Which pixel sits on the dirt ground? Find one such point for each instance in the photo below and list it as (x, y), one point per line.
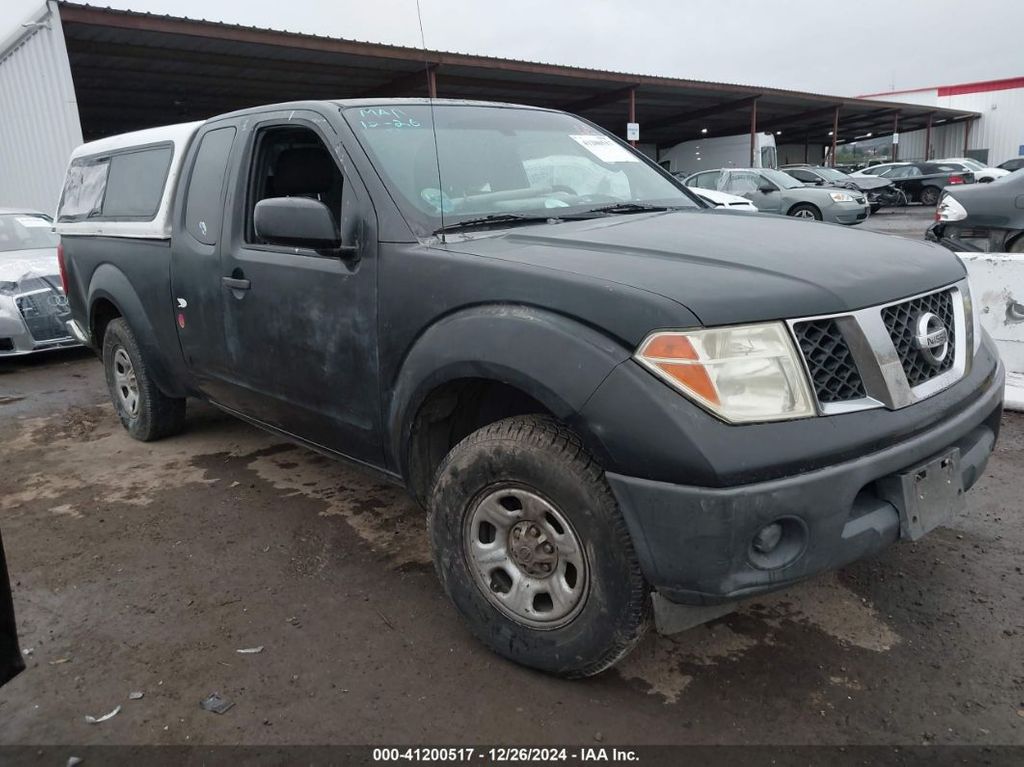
(146, 567)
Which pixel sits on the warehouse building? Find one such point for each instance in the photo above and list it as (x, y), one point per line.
(73, 73)
(997, 136)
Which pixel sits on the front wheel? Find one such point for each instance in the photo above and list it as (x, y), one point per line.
(806, 211)
(531, 548)
(146, 412)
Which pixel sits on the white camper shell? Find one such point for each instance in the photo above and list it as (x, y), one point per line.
(123, 186)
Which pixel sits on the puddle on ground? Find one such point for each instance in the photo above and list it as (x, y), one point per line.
(668, 664)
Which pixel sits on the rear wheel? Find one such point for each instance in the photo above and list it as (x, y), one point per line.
(531, 548)
(1017, 246)
(146, 412)
(930, 195)
(805, 210)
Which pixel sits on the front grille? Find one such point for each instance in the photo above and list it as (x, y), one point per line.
(901, 321)
(829, 361)
(44, 311)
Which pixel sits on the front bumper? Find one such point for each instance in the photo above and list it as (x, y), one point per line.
(695, 543)
(852, 214)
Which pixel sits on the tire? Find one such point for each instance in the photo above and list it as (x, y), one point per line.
(532, 471)
(875, 209)
(145, 412)
(1017, 245)
(930, 196)
(805, 210)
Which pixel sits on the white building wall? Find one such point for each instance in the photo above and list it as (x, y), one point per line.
(39, 123)
(1000, 129)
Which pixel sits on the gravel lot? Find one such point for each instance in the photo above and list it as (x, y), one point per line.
(146, 567)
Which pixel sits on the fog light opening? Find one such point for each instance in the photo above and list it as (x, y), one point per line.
(778, 544)
(768, 538)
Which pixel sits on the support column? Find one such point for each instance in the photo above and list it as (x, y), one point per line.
(632, 109)
(895, 140)
(432, 82)
(835, 136)
(753, 130)
(928, 140)
(967, 135)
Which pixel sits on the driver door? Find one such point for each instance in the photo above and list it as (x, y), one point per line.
(300, 324)
(756, 188)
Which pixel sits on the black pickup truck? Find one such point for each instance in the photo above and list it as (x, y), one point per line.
(609, 398)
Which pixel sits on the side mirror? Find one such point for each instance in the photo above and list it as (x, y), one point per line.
(297, 221)
(766, 189)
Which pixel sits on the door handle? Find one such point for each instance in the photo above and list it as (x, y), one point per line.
(235, 283)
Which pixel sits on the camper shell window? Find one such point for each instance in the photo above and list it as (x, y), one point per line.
(127, 185)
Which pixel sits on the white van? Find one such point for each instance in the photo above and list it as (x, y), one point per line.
(720, 152)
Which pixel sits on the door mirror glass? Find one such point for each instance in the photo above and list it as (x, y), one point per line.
(298, 221)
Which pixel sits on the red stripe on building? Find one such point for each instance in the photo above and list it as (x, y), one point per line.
(989, 85)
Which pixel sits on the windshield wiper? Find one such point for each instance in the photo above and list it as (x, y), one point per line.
(629, 207)
(495, 219)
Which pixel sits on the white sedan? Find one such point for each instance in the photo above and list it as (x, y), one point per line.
(724, 201)
(982, 173)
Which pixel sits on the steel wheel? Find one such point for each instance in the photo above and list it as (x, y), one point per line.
(125, 382)
(526, 558)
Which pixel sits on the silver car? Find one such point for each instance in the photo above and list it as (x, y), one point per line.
(33, 307)
(773, 191)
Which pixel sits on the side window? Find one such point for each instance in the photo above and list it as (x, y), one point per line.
(802, 175)
(707, 180)
(135, 184)
(292, 161)
(204, 202)
(744, 182)
(83, 190)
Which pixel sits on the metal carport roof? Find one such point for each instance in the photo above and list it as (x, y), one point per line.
(134, 70)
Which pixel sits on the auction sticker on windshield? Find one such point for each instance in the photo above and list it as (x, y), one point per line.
(604, 149)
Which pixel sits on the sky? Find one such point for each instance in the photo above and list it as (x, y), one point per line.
(848, 49)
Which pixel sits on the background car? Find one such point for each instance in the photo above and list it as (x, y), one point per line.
(816, 175)
(725, 201)
(772, 191)
(983, 217)
(33, 307)
(982, 173)
(877, 169)
(921, 181)
(1011, 165)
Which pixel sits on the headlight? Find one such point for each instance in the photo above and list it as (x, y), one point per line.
(950, 210)
(742, 374)
(840, 197)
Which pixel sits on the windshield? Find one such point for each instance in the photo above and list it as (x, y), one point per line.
(503, 161)
(830, 174)
(25, 231)
(971, 164)
(783, 180)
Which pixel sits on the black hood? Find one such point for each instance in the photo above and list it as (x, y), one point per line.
(729, 267)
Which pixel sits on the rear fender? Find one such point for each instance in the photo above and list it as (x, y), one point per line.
(110, 283)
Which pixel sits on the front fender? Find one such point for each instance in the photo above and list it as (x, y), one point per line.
(554, 359)
(110, 283)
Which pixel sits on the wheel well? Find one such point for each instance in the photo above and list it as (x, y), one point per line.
(796, 205)
(103, 311)
(452, 412)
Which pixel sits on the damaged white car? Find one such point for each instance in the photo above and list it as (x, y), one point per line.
(33, 307)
